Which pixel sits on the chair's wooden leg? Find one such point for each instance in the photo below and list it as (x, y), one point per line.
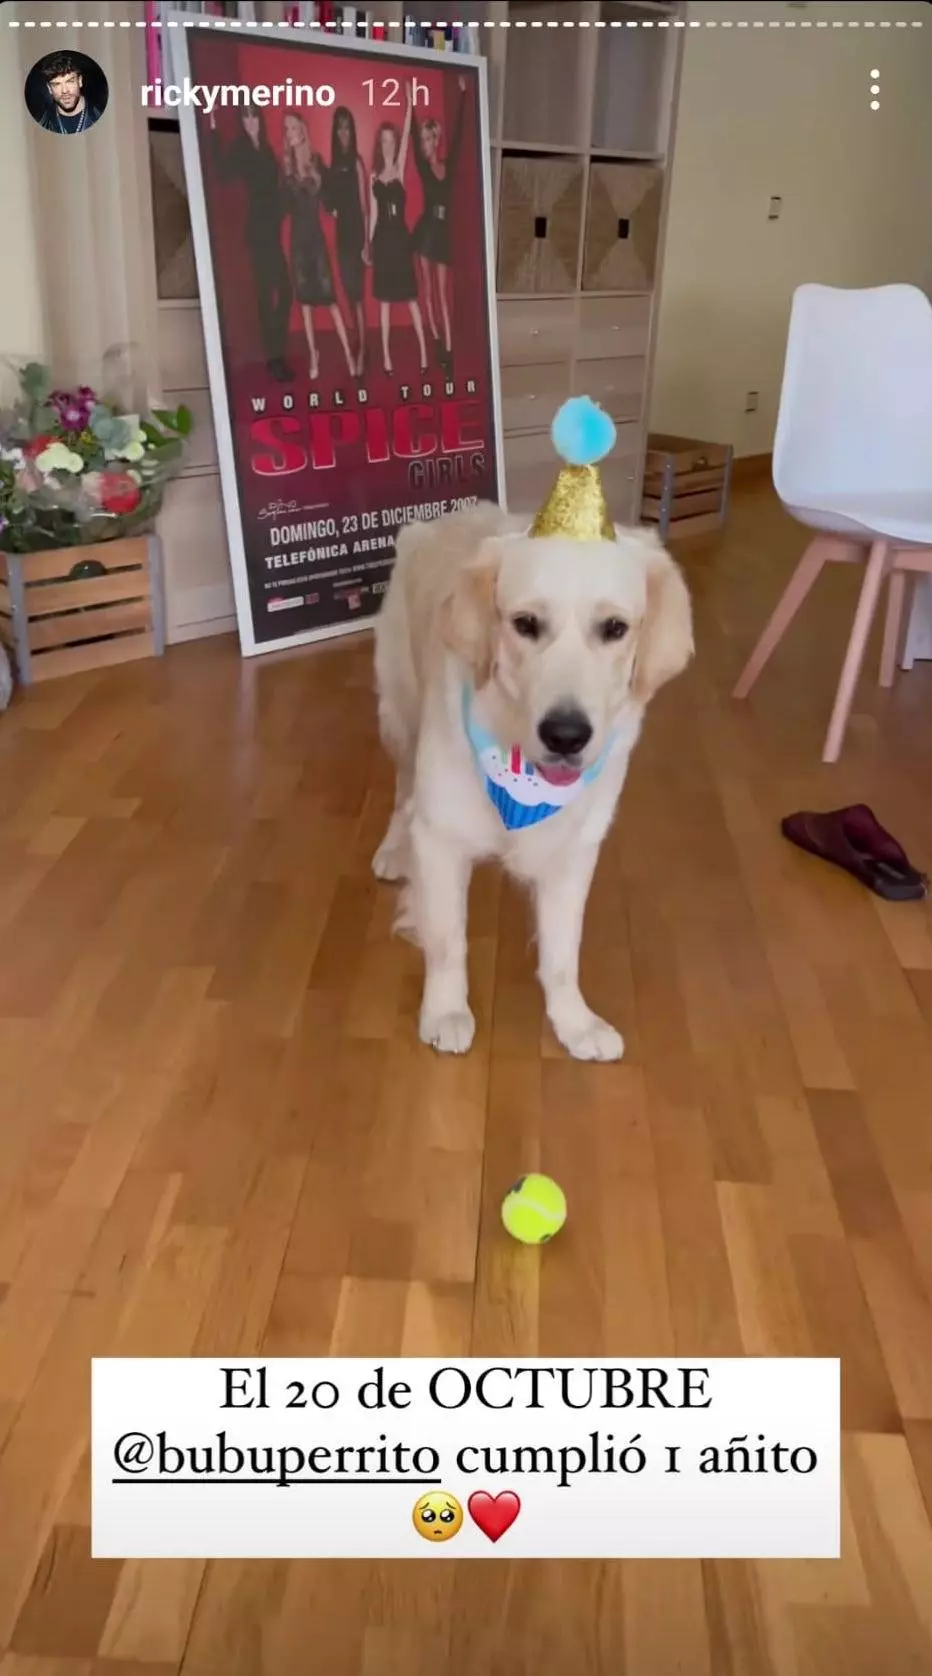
(919, 593)
(854, 657)
(896, 594)
(794, 593)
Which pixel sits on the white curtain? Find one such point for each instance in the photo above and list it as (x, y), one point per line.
(90, 206)
(23, 332)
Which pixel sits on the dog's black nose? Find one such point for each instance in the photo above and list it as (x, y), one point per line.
(565, 732)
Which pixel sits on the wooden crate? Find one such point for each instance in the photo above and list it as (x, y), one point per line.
(540, 220)
(78, 608)
(686, 485)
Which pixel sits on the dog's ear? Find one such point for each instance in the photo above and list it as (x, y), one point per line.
(468, 616)
(665, 639)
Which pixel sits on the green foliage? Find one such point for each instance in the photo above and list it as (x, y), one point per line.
(36, 384)
(180, 421)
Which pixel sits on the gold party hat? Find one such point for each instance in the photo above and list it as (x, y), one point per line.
(576, 508)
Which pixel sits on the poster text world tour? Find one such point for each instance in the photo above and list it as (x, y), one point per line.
(442, 442)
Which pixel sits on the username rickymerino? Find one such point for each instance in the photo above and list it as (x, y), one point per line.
(286, 95)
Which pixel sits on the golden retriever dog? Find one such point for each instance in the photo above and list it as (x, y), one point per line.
(552, 648)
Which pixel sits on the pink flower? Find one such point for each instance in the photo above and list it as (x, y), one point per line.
(28, 480)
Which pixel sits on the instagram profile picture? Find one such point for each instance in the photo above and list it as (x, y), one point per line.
(66, 92)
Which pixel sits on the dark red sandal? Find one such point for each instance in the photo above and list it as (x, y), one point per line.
(854, 840)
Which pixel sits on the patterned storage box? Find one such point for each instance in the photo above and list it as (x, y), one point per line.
(540, 220)
(622, 227)
(175, 272)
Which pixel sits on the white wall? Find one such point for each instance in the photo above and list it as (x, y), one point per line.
(785, 112)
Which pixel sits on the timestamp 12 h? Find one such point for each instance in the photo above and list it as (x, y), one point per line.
(387, 93)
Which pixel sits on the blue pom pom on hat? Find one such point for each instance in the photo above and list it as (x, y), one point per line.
(582, 434)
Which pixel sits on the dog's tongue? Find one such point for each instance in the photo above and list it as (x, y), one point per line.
(559, 776)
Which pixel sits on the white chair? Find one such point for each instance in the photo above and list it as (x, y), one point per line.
(852, 460)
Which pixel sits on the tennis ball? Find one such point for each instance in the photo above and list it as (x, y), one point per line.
(534, 1209)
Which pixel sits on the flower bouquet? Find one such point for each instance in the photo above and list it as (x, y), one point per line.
(74, 471)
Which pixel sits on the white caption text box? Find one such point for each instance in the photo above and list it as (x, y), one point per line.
(265, 1459)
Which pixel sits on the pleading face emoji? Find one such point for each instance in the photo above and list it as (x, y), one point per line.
(437, 1516)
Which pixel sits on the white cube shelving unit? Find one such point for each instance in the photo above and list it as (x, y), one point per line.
(582, 105)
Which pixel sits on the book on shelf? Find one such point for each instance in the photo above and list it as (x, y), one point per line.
(154, 58)
(449, 37)
(355, 21)
(158, 37)
(336, 19)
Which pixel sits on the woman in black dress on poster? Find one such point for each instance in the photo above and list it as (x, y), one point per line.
(433, 234)
(250, 159)
(305, 173)
(393, 277)
(346, 201)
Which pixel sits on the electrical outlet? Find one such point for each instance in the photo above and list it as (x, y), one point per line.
(751, 400)
(776, 205)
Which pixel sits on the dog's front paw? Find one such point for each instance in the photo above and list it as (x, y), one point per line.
(586, 1036)
(448, 1032)
(390, 863)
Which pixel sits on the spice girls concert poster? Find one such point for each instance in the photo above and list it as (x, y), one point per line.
(340, 205)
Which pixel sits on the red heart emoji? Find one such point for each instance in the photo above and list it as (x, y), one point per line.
(493, 1514)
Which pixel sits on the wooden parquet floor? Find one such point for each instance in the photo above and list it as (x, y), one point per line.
(218, 1135)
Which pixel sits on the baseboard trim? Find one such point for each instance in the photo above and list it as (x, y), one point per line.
(195, 613)
(184, 632)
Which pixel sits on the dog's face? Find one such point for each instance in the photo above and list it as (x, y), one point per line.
(562, 637)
